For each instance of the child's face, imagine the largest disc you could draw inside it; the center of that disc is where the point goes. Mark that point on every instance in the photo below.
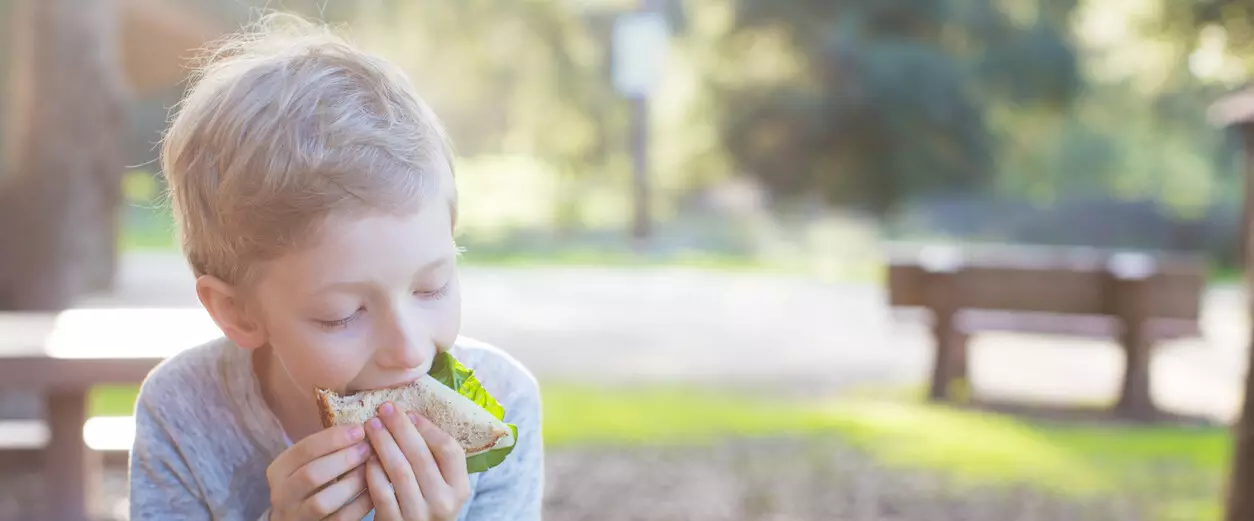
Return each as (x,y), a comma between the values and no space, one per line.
(369,306)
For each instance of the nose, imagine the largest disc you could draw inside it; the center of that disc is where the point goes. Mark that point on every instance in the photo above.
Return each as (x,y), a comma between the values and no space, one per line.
(407,342)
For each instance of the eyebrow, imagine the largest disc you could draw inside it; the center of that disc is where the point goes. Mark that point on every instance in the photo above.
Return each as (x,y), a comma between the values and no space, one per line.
(436,263)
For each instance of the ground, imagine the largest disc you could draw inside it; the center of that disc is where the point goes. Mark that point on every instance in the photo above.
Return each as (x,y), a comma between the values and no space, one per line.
(752,479)
(774,330)
(799,343)
(672,452)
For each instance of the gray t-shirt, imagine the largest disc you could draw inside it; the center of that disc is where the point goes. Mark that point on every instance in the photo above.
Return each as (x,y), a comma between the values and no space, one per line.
(204,437)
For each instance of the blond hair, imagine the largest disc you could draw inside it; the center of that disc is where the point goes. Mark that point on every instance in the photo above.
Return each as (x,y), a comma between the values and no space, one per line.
(284,125)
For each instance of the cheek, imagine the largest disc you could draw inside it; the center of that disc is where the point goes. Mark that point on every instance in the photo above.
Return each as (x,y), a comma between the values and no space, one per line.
(446,322)
(316,359)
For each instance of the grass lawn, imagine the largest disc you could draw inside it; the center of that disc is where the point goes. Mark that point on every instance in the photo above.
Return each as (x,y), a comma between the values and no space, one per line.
(518,190)
(970,447)
(157,235)
(158,239)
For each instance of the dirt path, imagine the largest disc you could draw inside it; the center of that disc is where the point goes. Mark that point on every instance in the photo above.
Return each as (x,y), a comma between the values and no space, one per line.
(620,324)
(735,480)
(762,329)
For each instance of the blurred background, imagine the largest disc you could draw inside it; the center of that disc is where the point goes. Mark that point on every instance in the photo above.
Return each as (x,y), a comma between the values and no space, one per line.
(680,215)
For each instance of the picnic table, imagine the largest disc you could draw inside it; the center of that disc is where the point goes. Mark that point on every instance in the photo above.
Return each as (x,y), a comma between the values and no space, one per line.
(62,356)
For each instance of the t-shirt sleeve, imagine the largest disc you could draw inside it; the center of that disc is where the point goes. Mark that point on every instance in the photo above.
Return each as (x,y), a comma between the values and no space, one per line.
(162,485)
(514,489)
(193,456)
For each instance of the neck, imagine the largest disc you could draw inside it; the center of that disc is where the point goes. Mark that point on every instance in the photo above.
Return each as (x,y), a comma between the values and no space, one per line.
(295,410)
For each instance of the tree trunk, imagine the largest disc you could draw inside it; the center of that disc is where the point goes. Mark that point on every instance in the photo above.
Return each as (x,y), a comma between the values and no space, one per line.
(61,181)
(1241,481)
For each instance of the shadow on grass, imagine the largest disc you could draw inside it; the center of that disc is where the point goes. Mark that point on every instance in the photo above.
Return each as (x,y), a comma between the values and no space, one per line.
(1175,469)
(1087,415)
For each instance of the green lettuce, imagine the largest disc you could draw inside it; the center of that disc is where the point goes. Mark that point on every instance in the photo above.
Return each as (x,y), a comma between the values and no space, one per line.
(462,379)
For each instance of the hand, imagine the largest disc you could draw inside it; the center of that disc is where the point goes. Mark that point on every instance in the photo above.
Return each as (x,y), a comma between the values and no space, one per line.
(302,478)
(420,473)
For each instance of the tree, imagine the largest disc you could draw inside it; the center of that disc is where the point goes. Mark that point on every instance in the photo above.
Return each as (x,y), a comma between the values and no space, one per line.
(1240,497)
(1193,23)
(60,184)
(507,77)
(891,97)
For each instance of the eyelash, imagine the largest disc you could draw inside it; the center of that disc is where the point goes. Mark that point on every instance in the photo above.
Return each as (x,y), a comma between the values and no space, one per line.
(336,324)
(434,295)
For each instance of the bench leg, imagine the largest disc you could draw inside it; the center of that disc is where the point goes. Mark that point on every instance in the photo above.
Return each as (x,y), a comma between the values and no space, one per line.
(72,472)
(1135,400)
(950,364)
(959,356)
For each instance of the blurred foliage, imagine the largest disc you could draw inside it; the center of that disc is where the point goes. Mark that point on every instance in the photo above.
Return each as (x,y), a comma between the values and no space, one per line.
(887,105)
(880,105)
(893,97)
(1228,24)
(509,78)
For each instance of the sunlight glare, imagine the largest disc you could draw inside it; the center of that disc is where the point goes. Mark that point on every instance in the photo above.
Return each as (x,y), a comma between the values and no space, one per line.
(129,333)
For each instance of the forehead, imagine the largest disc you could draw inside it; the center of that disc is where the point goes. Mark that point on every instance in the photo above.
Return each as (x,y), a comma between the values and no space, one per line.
(374,246)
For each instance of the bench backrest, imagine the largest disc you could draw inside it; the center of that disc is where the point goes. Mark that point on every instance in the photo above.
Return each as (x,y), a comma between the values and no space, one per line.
(1048,280)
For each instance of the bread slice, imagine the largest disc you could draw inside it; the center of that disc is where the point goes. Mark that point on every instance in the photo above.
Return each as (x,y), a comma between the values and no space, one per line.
(474,427)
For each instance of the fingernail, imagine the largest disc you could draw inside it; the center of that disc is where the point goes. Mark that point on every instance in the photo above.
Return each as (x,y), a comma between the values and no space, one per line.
(375,424)
(357,433)
(387,409)
(413,417)
(363,449)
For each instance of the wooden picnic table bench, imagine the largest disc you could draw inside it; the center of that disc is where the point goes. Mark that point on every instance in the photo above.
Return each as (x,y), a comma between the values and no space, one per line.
(62,356)
(1137,299)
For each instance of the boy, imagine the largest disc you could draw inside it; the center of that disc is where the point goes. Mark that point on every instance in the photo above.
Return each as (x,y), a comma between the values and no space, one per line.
(315,200)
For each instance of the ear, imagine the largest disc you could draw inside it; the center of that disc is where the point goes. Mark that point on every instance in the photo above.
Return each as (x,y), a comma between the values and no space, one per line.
(226,306)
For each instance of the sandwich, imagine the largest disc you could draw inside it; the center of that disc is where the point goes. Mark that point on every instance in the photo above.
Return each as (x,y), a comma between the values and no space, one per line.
(449,396)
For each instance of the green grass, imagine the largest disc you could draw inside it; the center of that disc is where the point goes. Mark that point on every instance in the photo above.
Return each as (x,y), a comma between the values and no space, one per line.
(518,190)
(1226,275)
(1183,468)
(970,447)
(975,446)
(112,400)
(147,226)
(155,237)
(150,239)
(617,259)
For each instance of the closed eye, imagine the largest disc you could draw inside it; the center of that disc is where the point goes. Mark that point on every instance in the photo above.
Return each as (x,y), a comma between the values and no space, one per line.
(434,295)
(336,324)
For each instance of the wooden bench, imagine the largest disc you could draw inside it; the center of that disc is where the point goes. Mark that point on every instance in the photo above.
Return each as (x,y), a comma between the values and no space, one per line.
(62,356)
(1137,299)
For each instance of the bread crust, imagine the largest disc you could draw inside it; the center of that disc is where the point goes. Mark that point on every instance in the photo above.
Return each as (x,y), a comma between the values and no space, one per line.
(325,410)
(328,412)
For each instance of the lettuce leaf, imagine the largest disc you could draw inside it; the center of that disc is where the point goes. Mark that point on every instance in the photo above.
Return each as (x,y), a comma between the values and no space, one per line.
(448,371)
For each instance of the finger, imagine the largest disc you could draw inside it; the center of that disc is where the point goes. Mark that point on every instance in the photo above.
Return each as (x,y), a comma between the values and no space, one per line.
(312,447)
(381,494)
(314,475)
(359,508)
(335,496)
(448,453)
(398,470)
(415,449)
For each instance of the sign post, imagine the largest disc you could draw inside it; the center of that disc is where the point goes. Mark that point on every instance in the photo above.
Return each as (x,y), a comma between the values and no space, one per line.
(639,50)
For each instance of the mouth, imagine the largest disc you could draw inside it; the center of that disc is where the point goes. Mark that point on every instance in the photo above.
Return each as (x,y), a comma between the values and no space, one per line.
(387,384)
